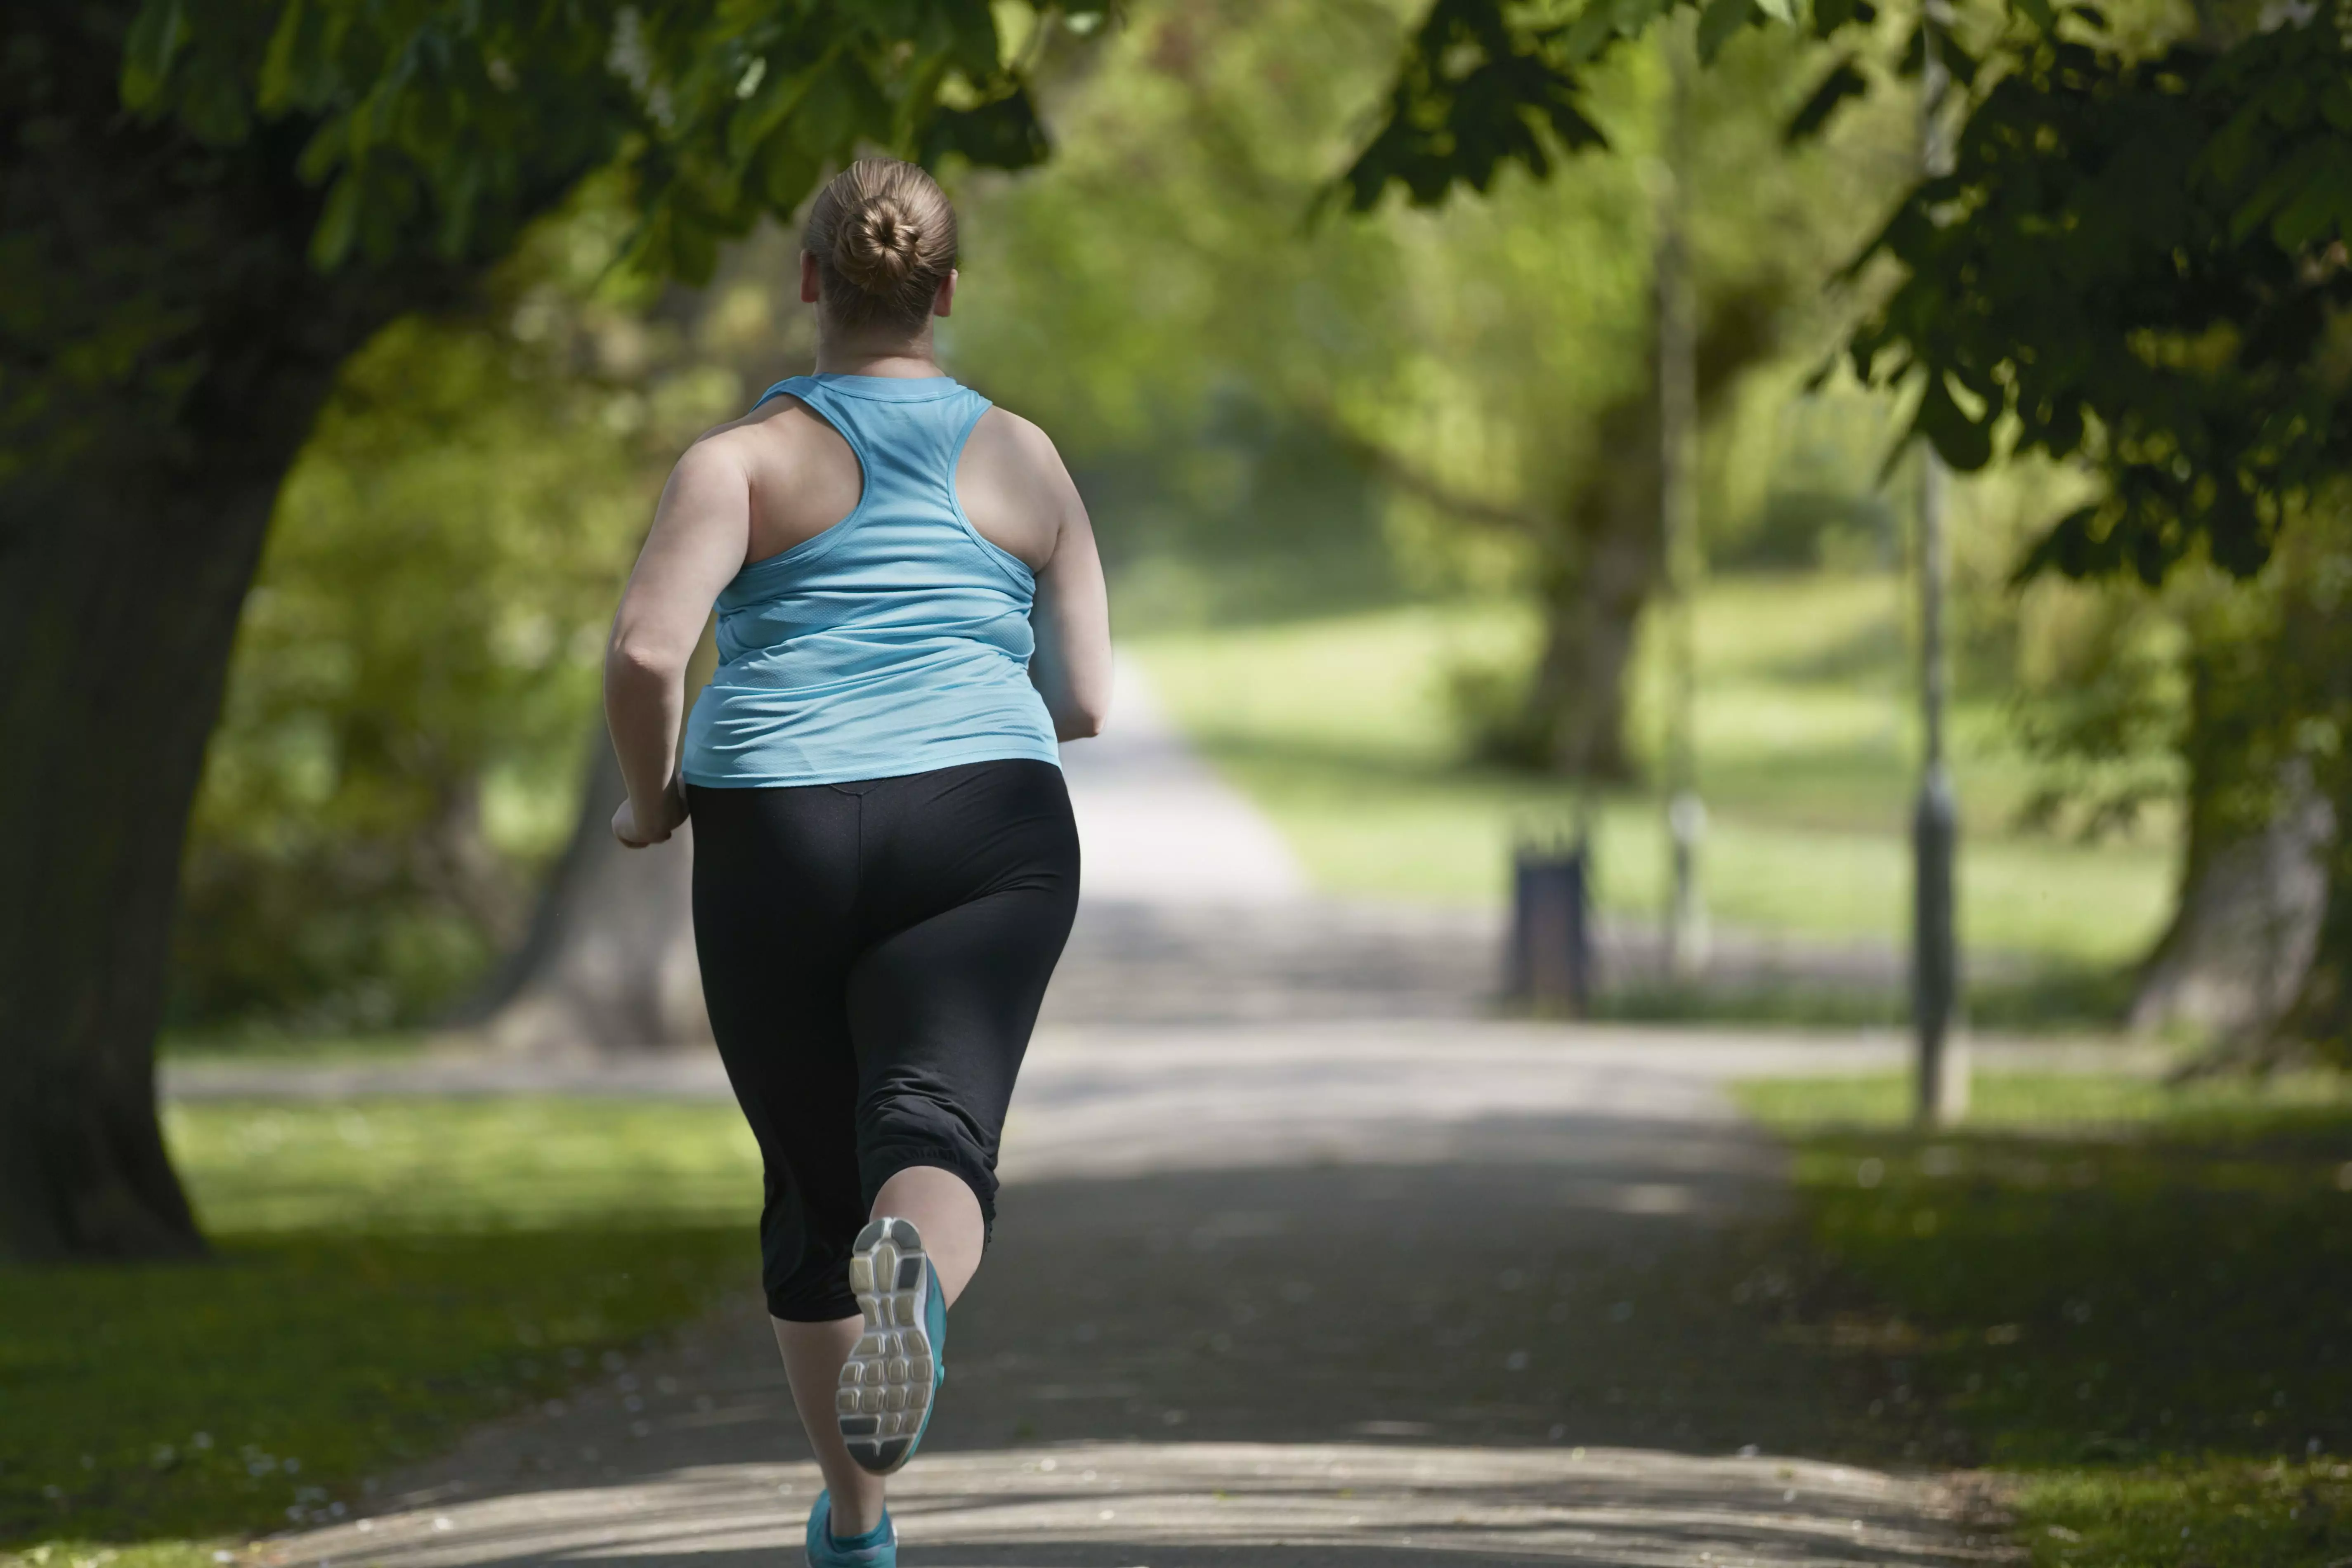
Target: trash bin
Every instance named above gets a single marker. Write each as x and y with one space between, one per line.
1549 964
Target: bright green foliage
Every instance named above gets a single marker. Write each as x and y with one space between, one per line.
2139 260
416 681
1227 374
390 1272
1154 298
2142 1310
419 650
415 668
460 119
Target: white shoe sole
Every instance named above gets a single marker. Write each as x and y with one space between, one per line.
884 1397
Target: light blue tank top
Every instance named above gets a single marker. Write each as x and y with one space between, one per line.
896 641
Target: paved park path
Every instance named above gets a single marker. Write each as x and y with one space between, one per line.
1301 1261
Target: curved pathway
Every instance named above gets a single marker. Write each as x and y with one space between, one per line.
1300 1262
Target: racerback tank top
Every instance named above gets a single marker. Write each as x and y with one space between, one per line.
896 641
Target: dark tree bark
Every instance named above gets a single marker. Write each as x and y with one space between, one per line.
2320 1021
164 353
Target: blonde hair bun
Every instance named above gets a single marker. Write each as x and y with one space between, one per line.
876 246
883 236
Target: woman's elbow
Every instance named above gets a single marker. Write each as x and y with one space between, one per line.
1080 720
634 660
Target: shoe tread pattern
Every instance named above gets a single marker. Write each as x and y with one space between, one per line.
884 1392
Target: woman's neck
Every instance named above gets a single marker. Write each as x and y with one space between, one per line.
902 359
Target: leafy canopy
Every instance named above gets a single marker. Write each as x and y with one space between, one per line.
2141 261
453 123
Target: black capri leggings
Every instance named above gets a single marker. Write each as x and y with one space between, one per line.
874 955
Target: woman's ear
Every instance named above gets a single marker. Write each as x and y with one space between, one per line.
944 301
808 278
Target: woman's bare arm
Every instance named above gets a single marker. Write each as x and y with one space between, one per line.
1072 668
701 534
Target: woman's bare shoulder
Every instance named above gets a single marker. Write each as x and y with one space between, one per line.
1015 452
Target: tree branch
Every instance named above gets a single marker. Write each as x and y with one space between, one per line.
1394 469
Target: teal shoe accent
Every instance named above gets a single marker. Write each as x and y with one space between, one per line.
877 1548
889 1385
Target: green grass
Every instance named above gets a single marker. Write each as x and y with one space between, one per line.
2138 1300
250 1047
1342 730
387 1273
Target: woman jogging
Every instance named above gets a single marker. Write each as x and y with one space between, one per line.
911 613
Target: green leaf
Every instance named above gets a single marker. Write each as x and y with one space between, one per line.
1829 16
778 97
1843 81
1781 11
294 69
152 43
1962 442
973 46
1003 134
1720 20
330 242
2284 184
2336 104
2321 211
1592 31
787 176
323 151
2038 12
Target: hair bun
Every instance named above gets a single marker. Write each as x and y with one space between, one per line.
876 247
884 240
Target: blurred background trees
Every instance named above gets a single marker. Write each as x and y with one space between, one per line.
211 208
1278 408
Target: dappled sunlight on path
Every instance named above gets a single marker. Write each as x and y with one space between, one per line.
1163 1504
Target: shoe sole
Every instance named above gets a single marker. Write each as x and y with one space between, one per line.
884 1399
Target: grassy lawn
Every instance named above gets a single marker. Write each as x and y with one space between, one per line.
2136 1300
387 1273
1342 730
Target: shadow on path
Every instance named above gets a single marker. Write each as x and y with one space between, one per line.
1476 1337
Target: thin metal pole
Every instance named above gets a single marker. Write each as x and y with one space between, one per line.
1942 1086
1687 932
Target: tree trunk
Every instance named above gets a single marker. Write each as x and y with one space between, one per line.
609 964
2260 938
1609 558
2247 922
1593 590
171 351
116 617
2320 1020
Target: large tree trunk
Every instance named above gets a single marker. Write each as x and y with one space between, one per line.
116 614
2260 944
2320 1020
2247 922
609 965
170 353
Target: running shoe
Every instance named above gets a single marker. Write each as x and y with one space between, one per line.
891 1381
877 1548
